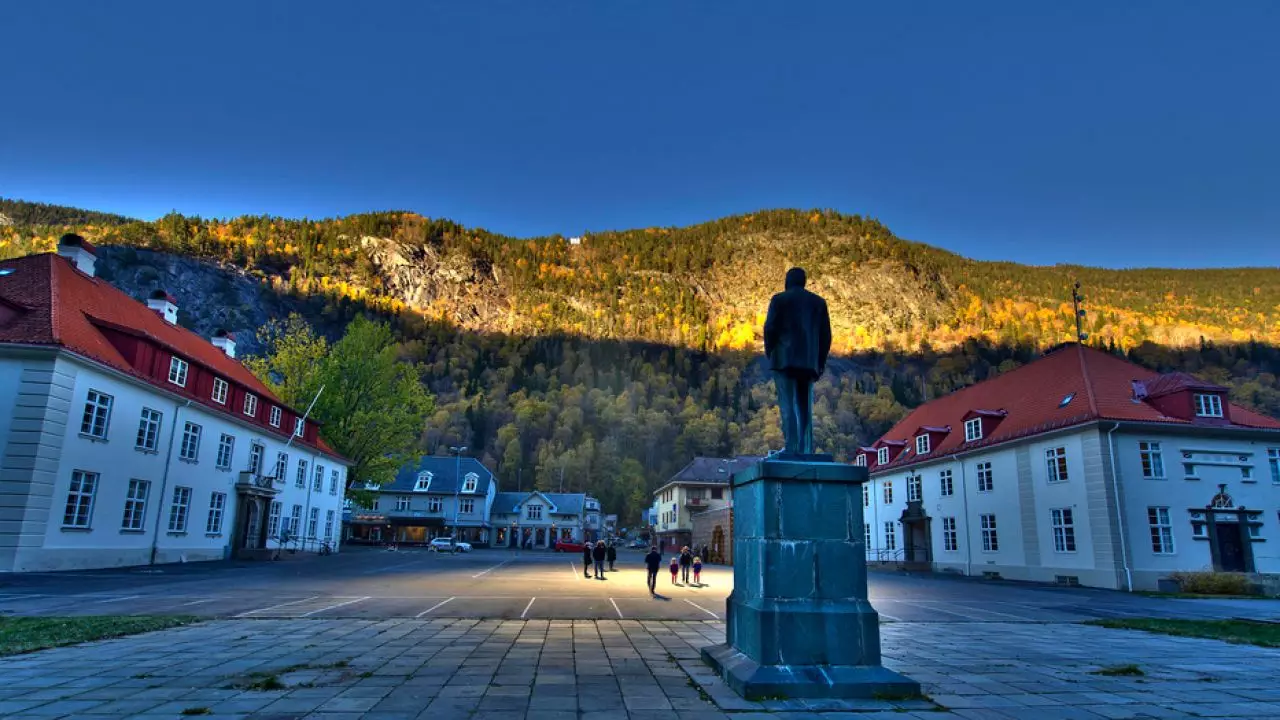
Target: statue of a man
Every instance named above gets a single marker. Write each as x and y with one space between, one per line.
797 339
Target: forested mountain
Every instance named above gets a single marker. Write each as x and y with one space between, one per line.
21 212
616 359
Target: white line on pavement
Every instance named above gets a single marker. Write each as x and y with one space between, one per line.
526 607
615 608
433 607
273 607
331 607
116 599
884 614
198 602
495 567
702 608
575 570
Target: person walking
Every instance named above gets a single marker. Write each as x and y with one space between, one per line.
652 562
611 554
697 570
586 560
675 568
598 554
686 559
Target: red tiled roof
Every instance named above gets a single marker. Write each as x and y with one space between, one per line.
65 308
1177 382
1099 384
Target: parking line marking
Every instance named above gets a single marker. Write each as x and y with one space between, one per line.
615 608
198 602
574 568
117 599
884 614
702 608
495 567
273 607
526 607
433 607
331 607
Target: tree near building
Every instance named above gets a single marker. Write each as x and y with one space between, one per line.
373 406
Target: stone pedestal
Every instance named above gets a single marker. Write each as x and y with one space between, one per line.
798 621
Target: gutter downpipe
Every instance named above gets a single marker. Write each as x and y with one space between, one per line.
968 521
164 480
1115 487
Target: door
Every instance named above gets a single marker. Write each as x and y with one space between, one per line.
1230 547
253 525
542 538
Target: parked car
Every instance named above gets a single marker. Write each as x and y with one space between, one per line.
638 544
568 546
448 544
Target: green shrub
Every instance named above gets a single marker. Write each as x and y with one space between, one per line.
1213 583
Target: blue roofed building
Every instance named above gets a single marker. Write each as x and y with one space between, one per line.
538 519
438 497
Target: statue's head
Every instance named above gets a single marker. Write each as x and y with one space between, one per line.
795 278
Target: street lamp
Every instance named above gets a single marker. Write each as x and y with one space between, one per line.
457 489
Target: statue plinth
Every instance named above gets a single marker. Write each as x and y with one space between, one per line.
798 622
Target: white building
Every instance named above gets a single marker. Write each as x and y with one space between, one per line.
700 486
1079 467
128 440
537 520
427 501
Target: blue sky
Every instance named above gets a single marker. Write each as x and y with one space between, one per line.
1116 134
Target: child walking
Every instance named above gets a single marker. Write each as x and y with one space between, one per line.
697 570
675 569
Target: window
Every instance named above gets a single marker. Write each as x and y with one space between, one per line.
882 456
217 504
972 429
273 520
80 499
300 480
424 482
1162 530
922 444
470 482
1152 460
317 479
135 505
97 413
295 521
1064 530
1208 406
1066 400
945 487
402 503
717 493
255 457
986 481
149 430
888 492
298 425
226 447
178 510
219 391
1055 460
328 525
890 536
1273 462
990 541
866 535
282 465
913 488
1246 473
860 460
433 505
949 537
275 416
313 522
534 512
178 371
467 506
250 404
190 442
866 494
333 482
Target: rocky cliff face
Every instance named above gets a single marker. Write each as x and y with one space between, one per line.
442 285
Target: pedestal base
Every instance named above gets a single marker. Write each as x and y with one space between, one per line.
754 681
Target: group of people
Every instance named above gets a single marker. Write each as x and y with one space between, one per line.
596 556
680 566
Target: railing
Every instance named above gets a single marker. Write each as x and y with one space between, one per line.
695 502
248 477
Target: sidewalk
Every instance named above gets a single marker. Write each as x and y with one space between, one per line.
626 670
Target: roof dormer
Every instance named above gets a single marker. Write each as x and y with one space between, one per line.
1184 396
888 450
927 438
979 423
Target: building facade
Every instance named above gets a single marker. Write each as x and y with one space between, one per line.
438 497
536 520
128 440
700 486
1078 468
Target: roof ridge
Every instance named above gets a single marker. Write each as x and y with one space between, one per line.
55 328
1088 382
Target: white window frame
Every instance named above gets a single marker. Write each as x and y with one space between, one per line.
178 370
882 456
179 509
888 492
256 452
469 482
946 483
281 468
1064 530
1273 463
148 439
403 503
226 451
333 481
1208 405
950 539
250 406
190 448
915 488
217 508
298 426
890 536
866 494
97 414
300 479
274 511
986 477
81 493
1151 458
134 517
1055 461
423 483
434 505
275 416
313 522
317 478
922 444
866 535
973 429
860 460
328 525
530 514
1161 527
295 521
990 533
1246 473
467 506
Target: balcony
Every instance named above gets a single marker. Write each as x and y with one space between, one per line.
697 503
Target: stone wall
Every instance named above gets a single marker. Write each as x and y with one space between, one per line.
714 529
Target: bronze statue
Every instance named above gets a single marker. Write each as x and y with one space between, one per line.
797 339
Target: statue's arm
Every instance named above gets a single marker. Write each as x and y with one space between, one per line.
824 338
771 327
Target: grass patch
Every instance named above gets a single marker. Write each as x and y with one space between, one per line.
1129 670
197 711
1241 632
266 682
28 634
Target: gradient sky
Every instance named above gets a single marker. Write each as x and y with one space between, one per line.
1106 133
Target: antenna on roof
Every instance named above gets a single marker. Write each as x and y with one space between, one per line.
1076 301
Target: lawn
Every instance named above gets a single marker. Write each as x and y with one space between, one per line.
27 634
1242 632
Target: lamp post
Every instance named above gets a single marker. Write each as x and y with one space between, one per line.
457 489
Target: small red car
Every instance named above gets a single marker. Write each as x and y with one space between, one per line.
568 546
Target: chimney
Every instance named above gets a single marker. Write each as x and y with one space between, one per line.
79 251
164 305
225 341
